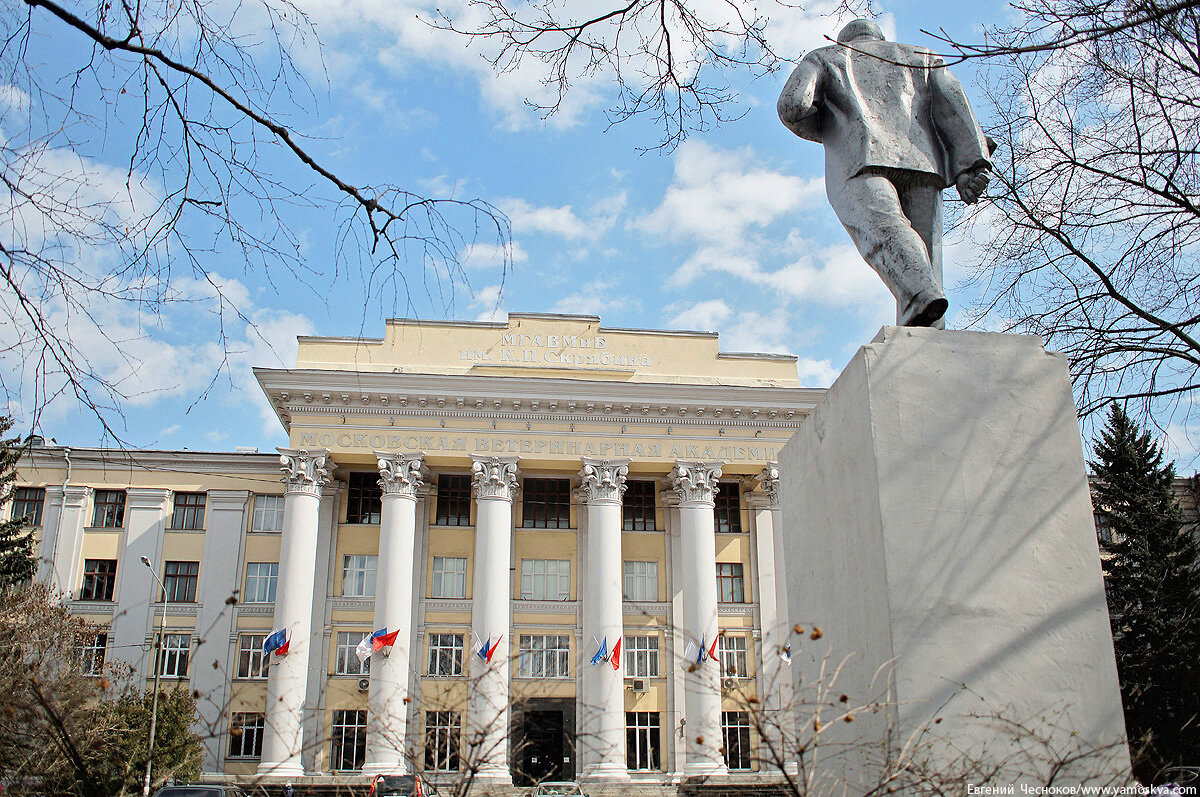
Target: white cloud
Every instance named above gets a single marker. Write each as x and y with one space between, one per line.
487 300
170 430
593 299
486 256
556 221
815 373
704 316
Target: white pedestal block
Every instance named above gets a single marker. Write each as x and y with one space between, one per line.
939 531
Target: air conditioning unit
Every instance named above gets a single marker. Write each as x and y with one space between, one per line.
364 684
729 683
638 685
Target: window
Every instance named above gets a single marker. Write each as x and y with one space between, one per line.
732 652
445 654
364 498
347 660
180 579
27 502
173 655
349 732
358 576
728 509
729 582
546 504
542 656
251 661
643 740
453 501
641 656
545 579
92 650
449 577
637 506
261 578
189 512
268 513
735 733
442 732
246 735
99 579
641 581
108 509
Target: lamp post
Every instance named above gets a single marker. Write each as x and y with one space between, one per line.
162 632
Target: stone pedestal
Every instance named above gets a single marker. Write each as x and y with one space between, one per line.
939 531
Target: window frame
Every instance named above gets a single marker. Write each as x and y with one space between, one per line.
257 728
173 661
646 580
530 574
173 581
252 662
643 741
260 512
187 511
341 731
364 574
545 503
732 583
732 648
364 498
345 661
440 653
737 723
543 659
727 509
91 648
267 584
638 514
26 497
110 512
452 502
93 578
445 730
642 656
437 584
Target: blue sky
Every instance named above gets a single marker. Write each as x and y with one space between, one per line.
728 232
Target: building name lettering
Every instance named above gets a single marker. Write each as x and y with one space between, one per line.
555 350
489 444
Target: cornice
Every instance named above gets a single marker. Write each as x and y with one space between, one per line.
544 607
153 460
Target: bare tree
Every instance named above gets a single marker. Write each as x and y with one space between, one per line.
140 141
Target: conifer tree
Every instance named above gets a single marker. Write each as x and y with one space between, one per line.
17 563
1152 577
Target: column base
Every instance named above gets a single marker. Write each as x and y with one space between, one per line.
386 768
705 769
284 769
607 771
494 775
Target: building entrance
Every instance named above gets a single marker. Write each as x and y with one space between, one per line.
544 740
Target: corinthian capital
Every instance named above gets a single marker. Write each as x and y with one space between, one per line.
696 482
304 471
401 474
494 477
603 480
769 479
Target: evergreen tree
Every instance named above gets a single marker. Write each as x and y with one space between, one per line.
1152 577
17 563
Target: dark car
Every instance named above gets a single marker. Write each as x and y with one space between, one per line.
200 790
401 786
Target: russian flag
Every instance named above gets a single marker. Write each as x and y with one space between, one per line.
277 643
703 651
382 639
616 656
712 651
483 652
601 652
492 650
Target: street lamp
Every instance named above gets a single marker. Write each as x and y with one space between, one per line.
162 635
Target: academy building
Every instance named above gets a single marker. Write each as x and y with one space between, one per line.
558 521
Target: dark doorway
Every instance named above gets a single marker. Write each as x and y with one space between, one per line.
543 737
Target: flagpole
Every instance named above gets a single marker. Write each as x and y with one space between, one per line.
162 631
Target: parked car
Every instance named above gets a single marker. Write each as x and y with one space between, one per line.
401 786
557 787
200 790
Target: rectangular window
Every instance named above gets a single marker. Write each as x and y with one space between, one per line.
189 512
246 735
173 655
728 510
445 654
643 740
180 579
729 582
27 502
546 504
268 513
641 581
261 578
347 662
251 661
92 650
442 732
735 733
99 579
637 506
545 579
108 509
449 577
544 656
453 501
732 653
358 576
349 746
641 656
364 498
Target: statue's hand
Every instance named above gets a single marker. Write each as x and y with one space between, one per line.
972 183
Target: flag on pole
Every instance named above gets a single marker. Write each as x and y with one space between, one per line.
616 656
601 652
785 653
363 650
277 643
484 650
382 639
703 651
712 651
492 650
689 652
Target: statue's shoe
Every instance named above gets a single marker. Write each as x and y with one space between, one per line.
925 309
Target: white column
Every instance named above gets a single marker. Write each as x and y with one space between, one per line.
67 512
696 484
486 737
134 626
603 722
305 472
400 476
